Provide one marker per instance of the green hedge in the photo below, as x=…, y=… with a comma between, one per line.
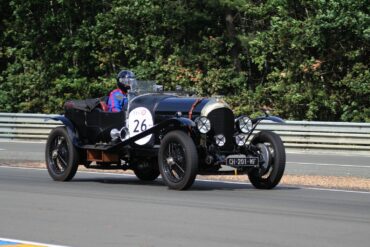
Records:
x=304, y=59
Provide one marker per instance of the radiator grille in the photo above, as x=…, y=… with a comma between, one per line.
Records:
x=222, y=122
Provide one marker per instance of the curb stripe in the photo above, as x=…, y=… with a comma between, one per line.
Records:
x=5, y=242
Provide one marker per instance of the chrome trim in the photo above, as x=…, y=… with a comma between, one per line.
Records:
x=213, y=104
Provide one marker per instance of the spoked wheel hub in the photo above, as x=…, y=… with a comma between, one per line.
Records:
x=59, y=154
x=265, y=158
x=174, y=162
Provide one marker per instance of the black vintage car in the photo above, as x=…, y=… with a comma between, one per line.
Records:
x=164, y=133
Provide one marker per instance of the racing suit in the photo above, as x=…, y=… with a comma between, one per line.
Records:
x=117, y=100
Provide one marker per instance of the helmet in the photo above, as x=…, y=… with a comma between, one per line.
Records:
x=125, y=80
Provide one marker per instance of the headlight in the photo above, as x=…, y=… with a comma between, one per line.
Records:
x=220, y=140
x=203, y=125
x=114, y=134
x=240, y=140
x=245, y=124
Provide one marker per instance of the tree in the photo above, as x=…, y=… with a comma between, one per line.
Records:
x=305, y=59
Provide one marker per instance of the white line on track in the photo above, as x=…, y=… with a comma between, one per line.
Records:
x=338, y=190
x=27, y=243
x=203, y=180
x=319, y=164
x=26, y=142
x=314, y=153
x=2, y=149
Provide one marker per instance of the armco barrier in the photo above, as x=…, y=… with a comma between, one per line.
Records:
x=25, y=126
x=295, y=134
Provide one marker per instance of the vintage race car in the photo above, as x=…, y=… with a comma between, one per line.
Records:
x=165, y=134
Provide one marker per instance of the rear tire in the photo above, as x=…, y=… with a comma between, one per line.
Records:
x=273, y=152
x=61, y=155
x=147, y=170
x=178, y=160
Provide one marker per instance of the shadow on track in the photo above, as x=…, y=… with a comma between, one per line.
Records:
x=222, y=185
x=126, y=180
x=199, y=185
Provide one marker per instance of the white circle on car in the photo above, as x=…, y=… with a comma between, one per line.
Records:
x=139, y=120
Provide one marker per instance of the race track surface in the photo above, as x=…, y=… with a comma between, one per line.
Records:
x=312, y=163
x=119, y=210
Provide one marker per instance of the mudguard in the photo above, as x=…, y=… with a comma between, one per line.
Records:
x=70, y=128
x=164, y=127
x=271, y=118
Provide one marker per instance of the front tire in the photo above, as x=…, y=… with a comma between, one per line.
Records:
x=178, y=160
x=61, y=155
x=272, y=152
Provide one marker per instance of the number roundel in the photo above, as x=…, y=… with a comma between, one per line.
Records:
x=139, y=120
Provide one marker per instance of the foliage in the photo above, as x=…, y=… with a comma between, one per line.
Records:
x=304, y=59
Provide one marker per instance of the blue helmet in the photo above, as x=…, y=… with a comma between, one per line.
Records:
x=125, y=79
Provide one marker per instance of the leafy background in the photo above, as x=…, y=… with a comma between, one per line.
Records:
x=303, y=59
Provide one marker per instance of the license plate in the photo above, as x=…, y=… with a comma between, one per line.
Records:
x=241, y=160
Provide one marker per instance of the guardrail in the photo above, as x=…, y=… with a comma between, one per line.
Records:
x=295, y=134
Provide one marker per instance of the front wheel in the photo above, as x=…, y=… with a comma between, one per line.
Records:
x=272, y=157
x=61, y=156
x=178, y=160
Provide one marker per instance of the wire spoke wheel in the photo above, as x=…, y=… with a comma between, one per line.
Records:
x=272, y=160
x=173, y=161
x=61, y=155
x=178, y=160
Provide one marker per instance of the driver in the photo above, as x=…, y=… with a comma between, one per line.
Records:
x=118, y=97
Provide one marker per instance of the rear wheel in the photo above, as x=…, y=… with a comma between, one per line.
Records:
x=178, y=160
x=61, y=155
x=147, y=170
x=272, y=155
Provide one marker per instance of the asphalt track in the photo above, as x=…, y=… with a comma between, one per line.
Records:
x=326, y=164
x=119, y=210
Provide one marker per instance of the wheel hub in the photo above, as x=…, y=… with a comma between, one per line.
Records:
x=265, y=153
x=54, y=154
x=170, y=161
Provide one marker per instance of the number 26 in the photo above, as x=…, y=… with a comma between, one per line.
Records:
x=143, y=126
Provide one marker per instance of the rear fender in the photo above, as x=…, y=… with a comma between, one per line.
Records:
x=70, y=128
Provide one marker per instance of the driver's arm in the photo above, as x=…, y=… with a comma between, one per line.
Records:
x=115, y=101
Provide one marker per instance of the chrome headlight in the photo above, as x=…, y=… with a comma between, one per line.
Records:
x=245, y=124
x=203, y=125
x=123, y=134
x=114, y=134
x=240, y=140
x=220, y=140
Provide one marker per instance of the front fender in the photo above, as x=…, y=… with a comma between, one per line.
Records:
x=69, y=126
x=162, y=127
x=182, y=122
x=271, y=118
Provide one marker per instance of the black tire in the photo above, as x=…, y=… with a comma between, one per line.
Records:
x=178, y=160
x=147, y=170
x=61, y=155
x=269, y=177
